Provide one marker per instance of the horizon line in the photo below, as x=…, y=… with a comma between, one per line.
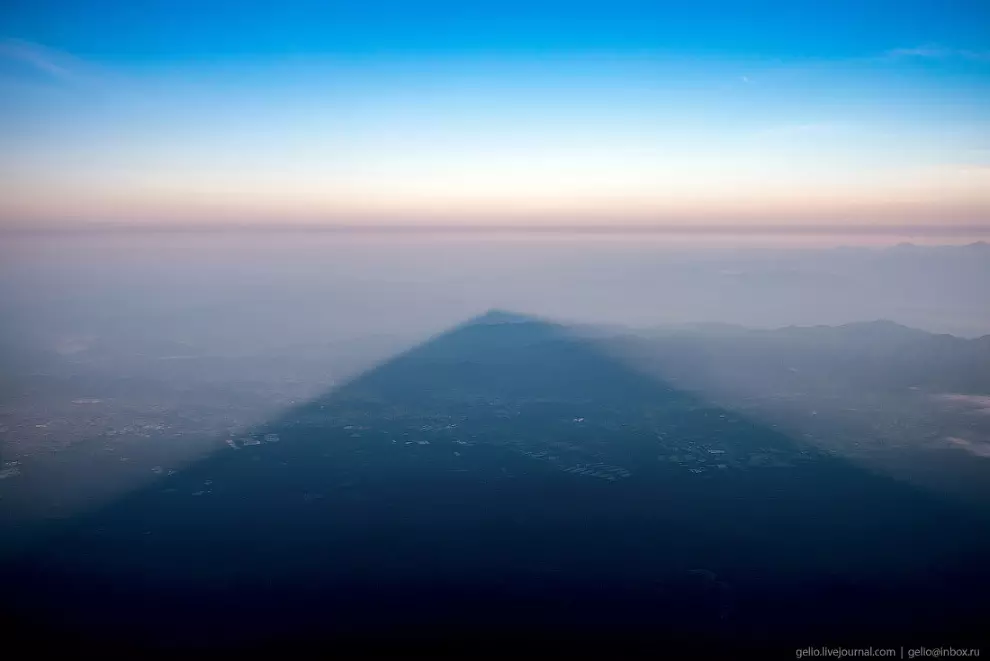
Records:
x=725, y=229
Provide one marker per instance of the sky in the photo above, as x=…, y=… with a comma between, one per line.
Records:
x=612, y=113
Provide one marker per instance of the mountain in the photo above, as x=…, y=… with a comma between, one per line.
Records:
x=877, y=355
x=509, y=480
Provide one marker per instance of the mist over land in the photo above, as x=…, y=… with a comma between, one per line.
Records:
x=214, y=331
x=454, y=423
x=279, y=439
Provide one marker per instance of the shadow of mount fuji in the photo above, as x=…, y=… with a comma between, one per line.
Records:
x=508, y=479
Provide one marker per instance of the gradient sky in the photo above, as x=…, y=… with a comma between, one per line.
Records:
x=393, y=112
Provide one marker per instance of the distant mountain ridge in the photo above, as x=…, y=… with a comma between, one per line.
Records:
x=875, y=327
x=877, y=354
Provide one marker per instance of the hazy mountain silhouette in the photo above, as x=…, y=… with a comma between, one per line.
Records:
x=508, y=478
x=877, y=355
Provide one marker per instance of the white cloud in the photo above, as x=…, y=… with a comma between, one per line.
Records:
x=936, y=52
x=40, y=59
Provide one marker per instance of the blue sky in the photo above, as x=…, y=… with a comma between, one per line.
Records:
x=176, y=30
x=623, y=112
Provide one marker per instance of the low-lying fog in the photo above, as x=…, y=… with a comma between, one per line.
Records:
x=232, y=293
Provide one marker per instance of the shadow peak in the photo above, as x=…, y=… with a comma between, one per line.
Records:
x=496, y=316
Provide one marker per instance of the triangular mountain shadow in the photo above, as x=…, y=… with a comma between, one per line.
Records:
x=507, y=478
